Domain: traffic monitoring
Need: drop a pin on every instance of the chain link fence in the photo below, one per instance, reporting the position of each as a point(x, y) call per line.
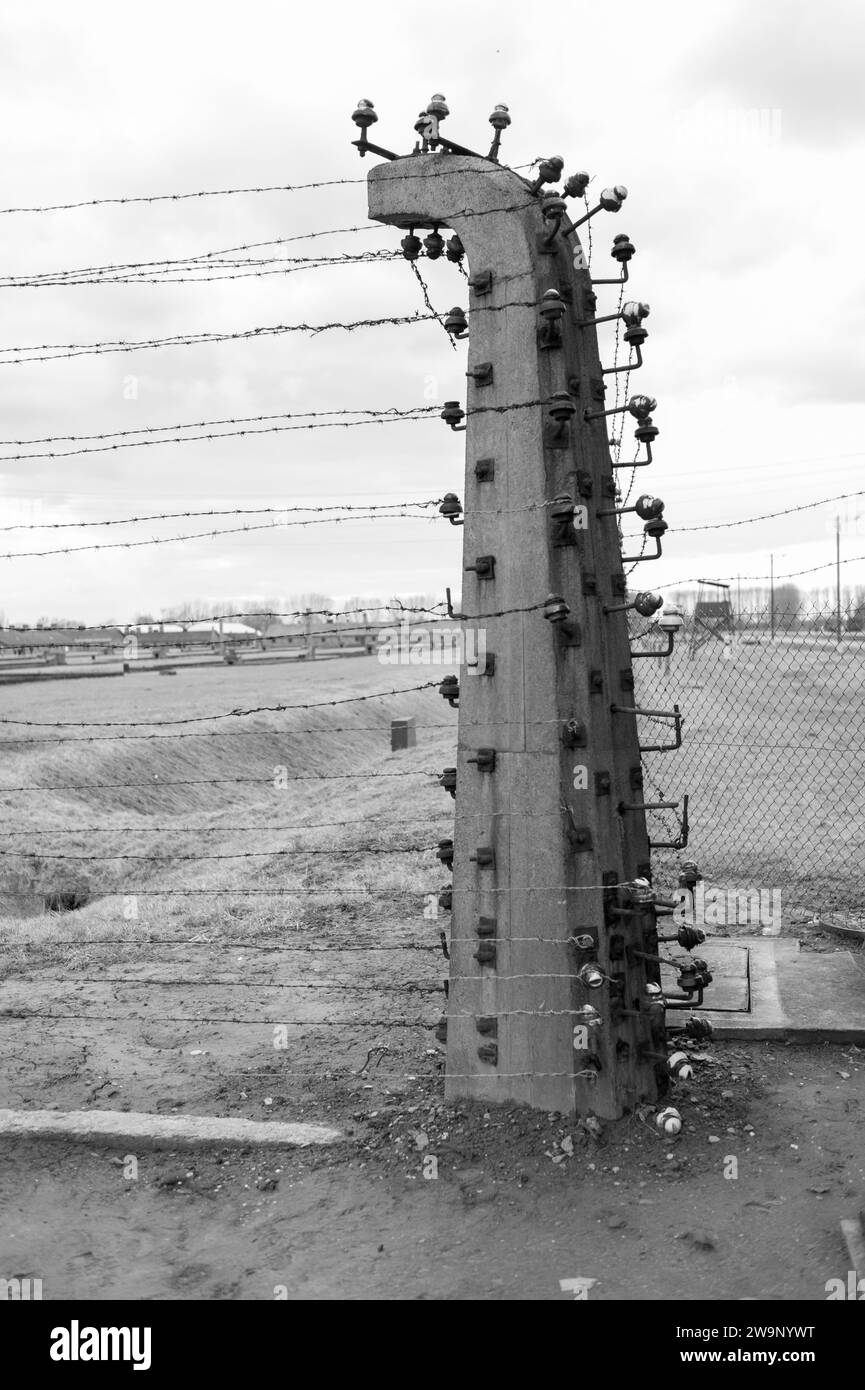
point(772, 756)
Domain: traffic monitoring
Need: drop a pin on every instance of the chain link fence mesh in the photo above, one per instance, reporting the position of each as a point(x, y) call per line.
point(772, 755)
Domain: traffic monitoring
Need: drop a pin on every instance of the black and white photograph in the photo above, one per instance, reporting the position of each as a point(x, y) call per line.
point(440, 427)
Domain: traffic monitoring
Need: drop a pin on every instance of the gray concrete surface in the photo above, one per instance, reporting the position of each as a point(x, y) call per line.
point(139, 1130)
point(803, 995)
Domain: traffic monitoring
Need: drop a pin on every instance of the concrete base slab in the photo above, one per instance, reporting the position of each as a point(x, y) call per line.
point(806, 996)
point(730, 990)
point(143, 1131)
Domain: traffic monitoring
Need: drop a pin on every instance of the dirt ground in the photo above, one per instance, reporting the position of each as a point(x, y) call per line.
point(520, 1201)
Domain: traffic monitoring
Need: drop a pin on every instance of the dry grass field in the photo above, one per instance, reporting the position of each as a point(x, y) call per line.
point(205, 887)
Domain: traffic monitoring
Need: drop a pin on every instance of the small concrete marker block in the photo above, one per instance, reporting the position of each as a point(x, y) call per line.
point(578, 1287)
point(854, 1237)
point(403, 734)
point(158, 1131)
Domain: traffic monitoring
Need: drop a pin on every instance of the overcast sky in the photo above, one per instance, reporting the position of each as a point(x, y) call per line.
point(738, 129)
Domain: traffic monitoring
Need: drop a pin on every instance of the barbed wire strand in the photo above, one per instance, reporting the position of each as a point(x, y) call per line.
point(434, 172)
point(389, 416)
point(157, 781)
point(222, 714)
point(414, 894)
point(52, 352)
point(314, 948)
point(218, 531)
point(249, 268)
point(331, 850)
point(394, 606)
point(223, 511)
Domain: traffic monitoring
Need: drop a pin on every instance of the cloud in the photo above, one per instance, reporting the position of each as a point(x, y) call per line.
point(798, 66)
point(742, 235)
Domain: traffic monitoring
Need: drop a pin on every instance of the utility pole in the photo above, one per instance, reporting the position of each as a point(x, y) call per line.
point(772, 597)
point(554, 995)
point(838, 579)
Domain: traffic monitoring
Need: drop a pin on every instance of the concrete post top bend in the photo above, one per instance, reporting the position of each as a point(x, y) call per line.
point(438, 190)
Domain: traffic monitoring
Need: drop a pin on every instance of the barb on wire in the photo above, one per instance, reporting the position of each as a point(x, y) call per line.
point(426, 300)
